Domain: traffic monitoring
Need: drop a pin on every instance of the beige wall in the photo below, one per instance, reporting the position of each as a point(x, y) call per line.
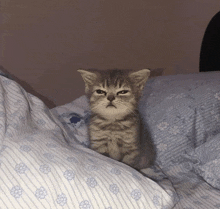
point(43, 42)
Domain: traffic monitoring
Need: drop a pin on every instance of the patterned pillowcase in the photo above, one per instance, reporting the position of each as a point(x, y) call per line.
point(205, 161)
point(181, 112)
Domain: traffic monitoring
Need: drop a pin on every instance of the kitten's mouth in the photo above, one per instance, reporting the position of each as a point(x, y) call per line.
point(110, 105)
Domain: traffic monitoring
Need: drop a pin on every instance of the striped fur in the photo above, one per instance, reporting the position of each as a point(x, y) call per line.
point(115, 125)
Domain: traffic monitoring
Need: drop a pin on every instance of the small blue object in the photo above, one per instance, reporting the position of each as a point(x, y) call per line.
point(75, 119)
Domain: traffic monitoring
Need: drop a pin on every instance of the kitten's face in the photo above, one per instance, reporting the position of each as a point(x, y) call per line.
point(113, 101)
point(113, 94)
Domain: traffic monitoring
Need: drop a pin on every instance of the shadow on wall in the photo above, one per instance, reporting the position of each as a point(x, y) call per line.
point(28, 88)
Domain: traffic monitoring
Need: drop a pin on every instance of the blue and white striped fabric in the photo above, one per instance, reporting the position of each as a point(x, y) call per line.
point(39, 168)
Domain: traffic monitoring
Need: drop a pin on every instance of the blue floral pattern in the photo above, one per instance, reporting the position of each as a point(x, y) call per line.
point(61, 199)
point(114, 188)
point(115, 171)
point(85, 204)
point(69, 175)
point(44, 160)
point(136, 194)
point(91, 182)
point(45, 169)
point(182, 115)
point(41, 193)
point(25, 148)
point(16, 192)
point(21, 168)
point(74, 117)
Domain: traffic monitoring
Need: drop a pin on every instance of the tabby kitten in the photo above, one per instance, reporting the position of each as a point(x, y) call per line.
point(115, 127)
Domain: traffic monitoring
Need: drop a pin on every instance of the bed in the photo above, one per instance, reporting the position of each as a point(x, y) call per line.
point(45, 161)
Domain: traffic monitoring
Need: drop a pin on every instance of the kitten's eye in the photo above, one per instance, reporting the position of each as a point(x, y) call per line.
point(122, 92)
point(99, 91)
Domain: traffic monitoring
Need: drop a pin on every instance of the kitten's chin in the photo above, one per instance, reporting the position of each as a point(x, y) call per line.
point(112, 117)
point(111, 113)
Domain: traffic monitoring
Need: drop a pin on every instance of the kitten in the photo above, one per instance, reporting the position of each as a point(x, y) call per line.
point(115, 127)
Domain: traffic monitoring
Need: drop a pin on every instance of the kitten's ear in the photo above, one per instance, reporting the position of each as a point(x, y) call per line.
point(140, 77)
point(88, 77)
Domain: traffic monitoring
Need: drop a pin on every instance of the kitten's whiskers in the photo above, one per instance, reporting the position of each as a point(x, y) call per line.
point(130, 109)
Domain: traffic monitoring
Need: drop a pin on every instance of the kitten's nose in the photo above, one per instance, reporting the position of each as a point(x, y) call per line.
point(110, 97)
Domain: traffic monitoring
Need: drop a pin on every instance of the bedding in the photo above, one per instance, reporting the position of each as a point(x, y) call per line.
point(182, 115)
point(45, 164)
